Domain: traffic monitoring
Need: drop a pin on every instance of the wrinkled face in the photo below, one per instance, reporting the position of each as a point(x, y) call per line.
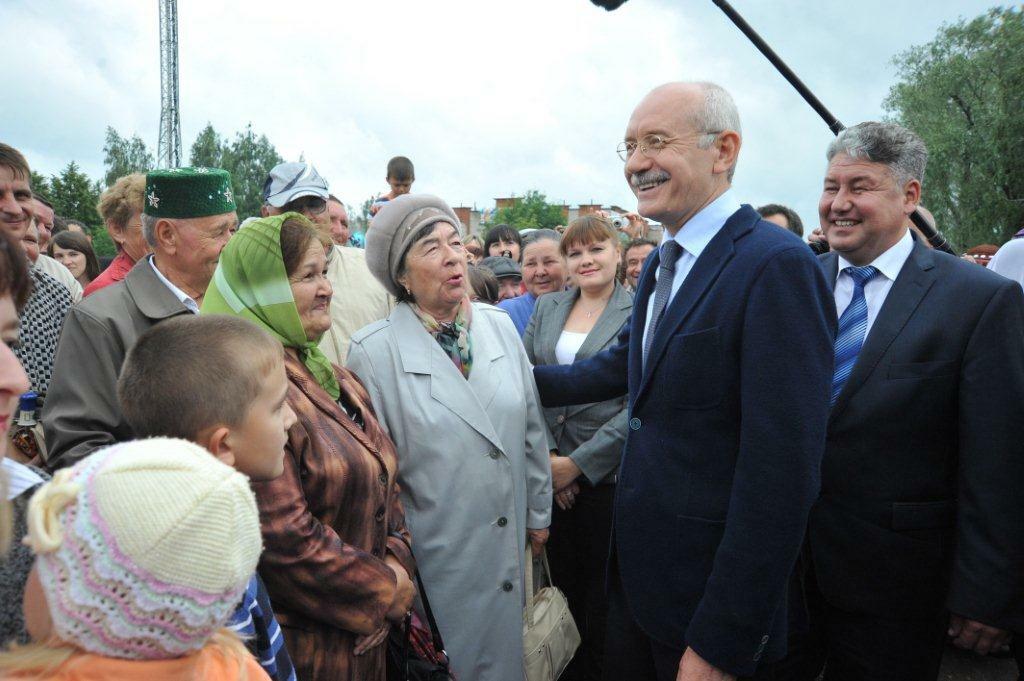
point(13, 381)
point(435, 270)
point(594, 265)
point(258, 442)
point(44, 222)
point(70, 258)
point(340, 231)
point(508, 287)
point(129, 237)
point(543, 267)
point(863, 210)
point(509, 249)
point(399, 187)
point(675, 181)
point(30, 242)
point(635, 258)
point(16, 203)
point(198, 243)
point(312, 292)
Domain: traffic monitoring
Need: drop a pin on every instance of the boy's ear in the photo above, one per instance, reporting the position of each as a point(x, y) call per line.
point(217, 440)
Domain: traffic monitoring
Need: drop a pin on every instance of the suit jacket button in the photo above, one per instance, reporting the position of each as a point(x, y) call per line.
point(502, 521)
point(507, 586)
point(561, 418)
point(380, 515)
point(495, 454)
point(383, 477)
point(764, 639)
point(634, 423)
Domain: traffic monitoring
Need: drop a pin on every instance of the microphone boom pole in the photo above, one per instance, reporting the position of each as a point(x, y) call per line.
point(934, 237)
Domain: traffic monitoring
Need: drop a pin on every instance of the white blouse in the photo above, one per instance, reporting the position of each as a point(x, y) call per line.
point(569, 343)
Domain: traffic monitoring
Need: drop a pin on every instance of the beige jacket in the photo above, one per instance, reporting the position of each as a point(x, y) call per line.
point(359, 300)
point(62, 274)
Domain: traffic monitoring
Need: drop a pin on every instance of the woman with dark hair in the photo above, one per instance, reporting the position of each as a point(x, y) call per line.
point(503, 240)
point(17, 481)
point(337, 560)
point(483, 285)
point(74, 251)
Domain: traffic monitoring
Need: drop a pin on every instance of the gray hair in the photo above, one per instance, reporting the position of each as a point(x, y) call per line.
point(894, 146)
point(541, 235)
point(149, 229)
point(719, 113)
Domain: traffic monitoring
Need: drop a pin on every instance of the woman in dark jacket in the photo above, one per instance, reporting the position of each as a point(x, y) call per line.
point(337, 560)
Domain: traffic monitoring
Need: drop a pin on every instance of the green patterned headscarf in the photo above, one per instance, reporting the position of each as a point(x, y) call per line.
point(251, 282)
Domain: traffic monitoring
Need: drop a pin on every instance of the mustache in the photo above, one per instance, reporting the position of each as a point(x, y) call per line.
point(637, 179)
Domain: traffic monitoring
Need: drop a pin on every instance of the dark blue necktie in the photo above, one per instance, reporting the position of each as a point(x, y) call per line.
point(853, 326)
point(670, 252)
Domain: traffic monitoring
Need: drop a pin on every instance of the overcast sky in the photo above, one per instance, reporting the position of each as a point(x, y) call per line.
point(487, 98)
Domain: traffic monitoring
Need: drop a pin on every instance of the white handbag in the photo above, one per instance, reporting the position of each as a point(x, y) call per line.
point(550, 636)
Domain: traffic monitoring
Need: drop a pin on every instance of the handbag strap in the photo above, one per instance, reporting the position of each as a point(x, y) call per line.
point(546, 572)
point(435, 633)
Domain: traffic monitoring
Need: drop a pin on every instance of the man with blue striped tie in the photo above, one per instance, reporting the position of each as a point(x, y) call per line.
point(918, 534)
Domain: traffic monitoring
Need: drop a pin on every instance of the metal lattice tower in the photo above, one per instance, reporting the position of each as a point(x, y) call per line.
point(169, 145)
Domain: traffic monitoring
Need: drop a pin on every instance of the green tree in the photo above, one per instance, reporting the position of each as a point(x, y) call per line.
point(963, 93)
point(531, 211)
point(124, 156)
point(102, 243)
point(249, 159)
point(40, 185)
point(208, 149)
point(74, 196)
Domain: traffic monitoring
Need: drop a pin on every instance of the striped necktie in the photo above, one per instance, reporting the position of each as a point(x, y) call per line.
point(670, 252)
point(853, 326)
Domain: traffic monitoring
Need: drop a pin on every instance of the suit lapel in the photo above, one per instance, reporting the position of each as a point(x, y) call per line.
point(421, 354)
point(608, 324)
point(485, 378)
point(829, 263)
point(910, 287)
point(644, 288)
point(704, 273)
point(553, 327)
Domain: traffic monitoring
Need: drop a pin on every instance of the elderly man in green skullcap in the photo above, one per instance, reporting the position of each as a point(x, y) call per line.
point(188, 217)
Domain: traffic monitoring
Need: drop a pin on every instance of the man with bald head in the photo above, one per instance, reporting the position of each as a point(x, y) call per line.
point(726, 431)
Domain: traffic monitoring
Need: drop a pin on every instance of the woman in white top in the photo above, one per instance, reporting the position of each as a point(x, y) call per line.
point(565, 327)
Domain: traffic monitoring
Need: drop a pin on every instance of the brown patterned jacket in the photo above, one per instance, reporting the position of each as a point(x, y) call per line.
point(328, 522)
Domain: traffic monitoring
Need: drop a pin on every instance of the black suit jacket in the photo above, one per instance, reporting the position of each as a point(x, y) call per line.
point(727, 429)
point(920, 503)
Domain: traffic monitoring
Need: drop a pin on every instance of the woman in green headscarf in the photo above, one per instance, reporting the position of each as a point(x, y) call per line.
point(337, 562)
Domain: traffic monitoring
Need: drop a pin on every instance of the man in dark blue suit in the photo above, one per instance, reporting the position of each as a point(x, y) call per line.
point(727, 361)
point(919, 531)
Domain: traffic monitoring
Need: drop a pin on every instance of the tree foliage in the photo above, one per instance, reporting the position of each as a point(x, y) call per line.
point(531, 211)
point(249, 158)
point(74, 196)
point(963, 93)
point(124, 156)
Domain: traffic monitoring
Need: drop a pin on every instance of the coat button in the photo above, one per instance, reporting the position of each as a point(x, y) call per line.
point(507, 586)
point(376, 552)
point(561, 418)
point(502, 521)
point(383, 477)
point(380, 514)
point(495, 454)
point(634, 423)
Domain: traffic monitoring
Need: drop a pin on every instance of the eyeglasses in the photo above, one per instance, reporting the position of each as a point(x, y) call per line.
point(650, 145)
point(311, 204)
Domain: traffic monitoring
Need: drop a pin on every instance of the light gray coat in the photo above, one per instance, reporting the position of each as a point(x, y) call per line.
point(592, 435)
point(474, 471)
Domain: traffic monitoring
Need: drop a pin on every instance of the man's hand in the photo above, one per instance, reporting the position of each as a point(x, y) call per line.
point(973, 635)
point(817, 235)
point(405, 591)
point(637, 227)
point(693, 668)
point(537, 540)
point(564, 472)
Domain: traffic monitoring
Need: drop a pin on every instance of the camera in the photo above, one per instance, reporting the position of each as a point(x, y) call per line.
point(619, 221)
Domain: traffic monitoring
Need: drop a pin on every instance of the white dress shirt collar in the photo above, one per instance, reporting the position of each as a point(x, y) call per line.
point(888, 263)
point(185, 299)
point(697, 233)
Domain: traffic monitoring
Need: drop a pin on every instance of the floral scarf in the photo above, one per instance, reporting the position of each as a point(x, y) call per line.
point(453, 336)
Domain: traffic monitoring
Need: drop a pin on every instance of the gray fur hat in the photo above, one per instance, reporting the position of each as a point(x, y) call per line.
point(391, 232)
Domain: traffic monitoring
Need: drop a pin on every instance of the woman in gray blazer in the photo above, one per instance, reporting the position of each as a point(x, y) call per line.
point(565, 327)
point(452, 385)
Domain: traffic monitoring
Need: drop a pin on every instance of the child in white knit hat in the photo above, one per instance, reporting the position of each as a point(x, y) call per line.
point(143, 550)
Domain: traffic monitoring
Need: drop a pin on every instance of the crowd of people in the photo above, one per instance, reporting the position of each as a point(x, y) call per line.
point(255, 449)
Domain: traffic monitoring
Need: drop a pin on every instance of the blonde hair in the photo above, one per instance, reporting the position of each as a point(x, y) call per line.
point(43, 658)
point(123, 199)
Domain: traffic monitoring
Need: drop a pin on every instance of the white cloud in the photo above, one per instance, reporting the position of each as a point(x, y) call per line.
point(487, 98)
